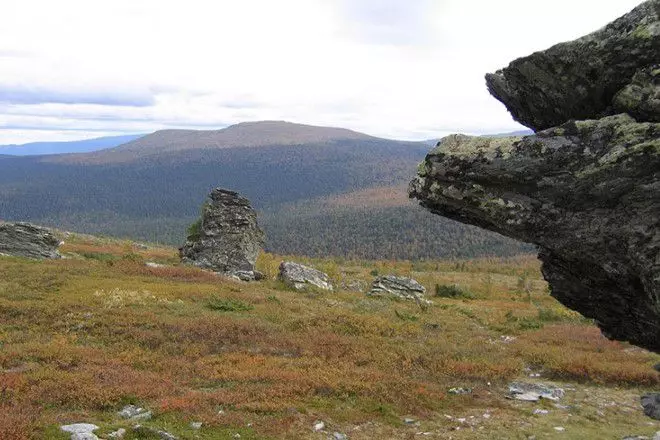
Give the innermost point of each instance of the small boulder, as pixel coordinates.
(29, 241)
(651, 404)
(134, 412)
(398, 287)
(300, 277)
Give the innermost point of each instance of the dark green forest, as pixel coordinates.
(155, 198)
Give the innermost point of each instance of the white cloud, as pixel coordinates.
(406, 69)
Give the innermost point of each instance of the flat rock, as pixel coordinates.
(533, 392)
(81, 431)
(579, 79)
(397, 287)
(227, 238)
(29, 241)
(300, 277)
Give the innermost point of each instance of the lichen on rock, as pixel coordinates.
(586, 187)
(227, 238)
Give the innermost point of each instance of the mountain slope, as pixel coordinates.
(83, 146)
(155, 196)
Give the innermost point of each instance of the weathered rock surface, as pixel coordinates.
(26, 240)
(397, 287)
(586, 192)
(227, 239)
(300, 277)
(641, 98)
(578, 79)
(81, 431)
(651, 405)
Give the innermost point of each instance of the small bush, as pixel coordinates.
(228, 305)
(453, 291)
(195, 230)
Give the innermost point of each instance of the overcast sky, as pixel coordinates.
(408, 69)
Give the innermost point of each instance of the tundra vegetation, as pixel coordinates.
(85, 335)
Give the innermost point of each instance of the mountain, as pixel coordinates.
(526, 132)
(83, 146)
(152, 189)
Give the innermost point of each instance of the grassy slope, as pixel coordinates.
(83, 336)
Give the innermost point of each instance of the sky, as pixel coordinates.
(403, 69)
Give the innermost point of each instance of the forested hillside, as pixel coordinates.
(298, 190)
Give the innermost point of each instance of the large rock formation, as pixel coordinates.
(579, 79)
(392, 286)
(26, 240)
(587, 192)
(227, 238)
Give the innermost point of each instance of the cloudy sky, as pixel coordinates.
(408, 69)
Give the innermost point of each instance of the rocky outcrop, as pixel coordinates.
(301, 277)
(227, 238)
(579, 79)
(651, 404)
(587, 192)
(26, 240)
(398, 287)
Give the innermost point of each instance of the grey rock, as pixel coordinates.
(146, 431)
(120, 433)
(641, 98)
(587, 193)
(134, 412)
(635, 437)
(300, 277)
(228, 238)
(81, 431)
(651, 405)
(196, 425)
(533, 392)
(397, 287)
(579, 79)
(460, 390)
(29, 241)
(246, 275)
(339, 436)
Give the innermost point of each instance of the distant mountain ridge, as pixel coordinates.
(66, 147)
(318, 191)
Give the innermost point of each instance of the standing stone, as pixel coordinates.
(300, 277)
(26, 240)
(227, 238)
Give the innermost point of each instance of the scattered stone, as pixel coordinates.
(409, 421)
(542, 412)
(559, 428)
(354, 286)
(460, 390)
(635, 437)
(318, 426)
(196, 425)
(134, 412)
(120, 433)
(246, 275)
(81, 431)
(146, 431)
(398, 287)
(339, 436)
(533, 392)
(227, 238)
(28, 241)
(300, 277)
(651, 404)
(154, 265)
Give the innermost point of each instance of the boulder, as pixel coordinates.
(26, 240)
(587, 192)
(300, 277)
(651, 405)
(227, 238)
(579, 79)
(397, 287)
(532, 392)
